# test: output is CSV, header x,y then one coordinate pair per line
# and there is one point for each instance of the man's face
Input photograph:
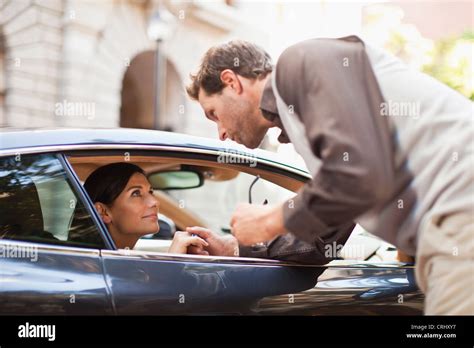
x,y
236,111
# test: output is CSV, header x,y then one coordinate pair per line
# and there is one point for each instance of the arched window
x,y
138,96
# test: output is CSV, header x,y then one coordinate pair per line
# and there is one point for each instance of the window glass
x,y
38,204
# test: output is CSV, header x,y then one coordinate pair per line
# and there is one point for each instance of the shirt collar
x,y
269,109
268,102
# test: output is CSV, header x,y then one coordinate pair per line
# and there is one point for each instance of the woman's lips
x,y
151,216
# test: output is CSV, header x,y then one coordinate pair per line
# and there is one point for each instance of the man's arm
x,y
332,89
290,248
285,248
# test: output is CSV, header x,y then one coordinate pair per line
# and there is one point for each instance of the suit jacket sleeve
x,y
289,248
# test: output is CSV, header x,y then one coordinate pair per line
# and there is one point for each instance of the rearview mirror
x,y
176,180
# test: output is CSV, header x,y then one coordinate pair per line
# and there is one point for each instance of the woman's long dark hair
x,y
106,183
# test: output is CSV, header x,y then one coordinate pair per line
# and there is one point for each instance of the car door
x,y
150,283
49,244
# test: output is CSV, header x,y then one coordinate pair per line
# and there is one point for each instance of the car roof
x,y
17,139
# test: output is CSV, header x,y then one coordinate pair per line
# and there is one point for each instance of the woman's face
x,y
135,210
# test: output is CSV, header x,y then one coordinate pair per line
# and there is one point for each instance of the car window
x,y
38,204
215,201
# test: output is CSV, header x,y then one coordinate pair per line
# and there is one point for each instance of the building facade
x,y
80,63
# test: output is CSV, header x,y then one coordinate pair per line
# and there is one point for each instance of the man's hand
x,y
253,223
218,245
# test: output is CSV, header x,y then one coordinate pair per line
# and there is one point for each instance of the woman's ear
x,y
103,212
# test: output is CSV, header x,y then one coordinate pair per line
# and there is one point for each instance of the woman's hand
x,y
183,240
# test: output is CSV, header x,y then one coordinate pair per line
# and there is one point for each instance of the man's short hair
x,y
244,58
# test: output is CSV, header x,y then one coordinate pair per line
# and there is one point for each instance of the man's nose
x,y
222,134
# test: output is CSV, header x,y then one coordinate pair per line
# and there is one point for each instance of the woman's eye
x,y
150,192
136,193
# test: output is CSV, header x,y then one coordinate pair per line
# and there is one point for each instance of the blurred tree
x,y
452,63
450,60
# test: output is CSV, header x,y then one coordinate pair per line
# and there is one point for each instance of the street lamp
x,y
160,28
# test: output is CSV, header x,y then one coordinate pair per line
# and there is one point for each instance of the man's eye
x,y
150,192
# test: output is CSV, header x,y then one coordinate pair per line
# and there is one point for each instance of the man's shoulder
x,y
320,49
309,61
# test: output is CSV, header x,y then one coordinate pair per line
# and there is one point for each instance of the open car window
x,y
224,186
210,205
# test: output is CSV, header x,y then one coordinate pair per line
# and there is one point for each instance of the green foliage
x,y
452,63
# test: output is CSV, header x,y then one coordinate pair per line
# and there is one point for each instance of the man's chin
x,y
256,144
252,144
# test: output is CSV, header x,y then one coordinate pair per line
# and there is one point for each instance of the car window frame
x,y
163,151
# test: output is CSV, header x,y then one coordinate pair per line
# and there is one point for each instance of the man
x,y
388,147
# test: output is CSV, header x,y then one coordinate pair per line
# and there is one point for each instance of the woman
x,y
124,200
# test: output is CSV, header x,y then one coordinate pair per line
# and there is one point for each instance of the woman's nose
x,y
154,202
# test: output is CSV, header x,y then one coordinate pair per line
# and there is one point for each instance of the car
x,y
57,257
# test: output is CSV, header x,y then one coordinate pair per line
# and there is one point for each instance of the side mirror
x,y
176,180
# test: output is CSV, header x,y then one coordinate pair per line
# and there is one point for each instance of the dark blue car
x,y
57,257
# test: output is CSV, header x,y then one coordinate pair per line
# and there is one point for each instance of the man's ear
x,y
229,78
103,212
